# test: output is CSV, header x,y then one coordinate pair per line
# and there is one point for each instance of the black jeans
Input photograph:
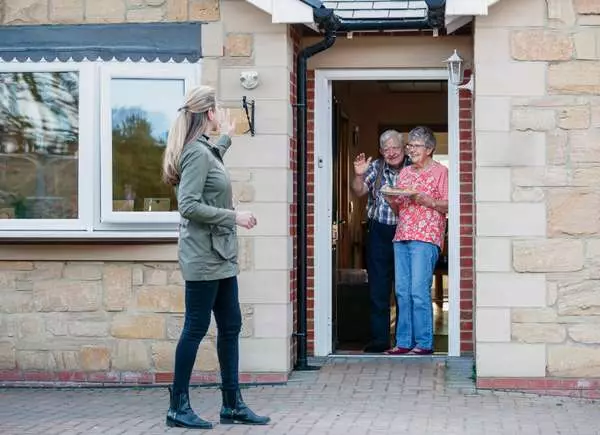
x,y
380,269
202,297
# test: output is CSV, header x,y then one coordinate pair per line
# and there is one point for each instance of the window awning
x,y
139,41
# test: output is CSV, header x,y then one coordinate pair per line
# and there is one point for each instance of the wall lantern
x,y
455,69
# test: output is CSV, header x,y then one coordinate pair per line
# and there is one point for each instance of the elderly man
x,y
370,177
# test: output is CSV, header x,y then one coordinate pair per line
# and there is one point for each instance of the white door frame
x,y
323,196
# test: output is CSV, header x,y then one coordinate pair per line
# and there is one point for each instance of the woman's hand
x,y
361,164
245,219
226,124
424,200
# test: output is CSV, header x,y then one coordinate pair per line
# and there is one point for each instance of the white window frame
x,y
94,154
84,152
131,71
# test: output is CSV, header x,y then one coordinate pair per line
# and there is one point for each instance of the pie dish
x,y
396,191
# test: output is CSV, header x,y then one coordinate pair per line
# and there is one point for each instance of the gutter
x,y
330,25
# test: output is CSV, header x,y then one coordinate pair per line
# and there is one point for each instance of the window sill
x,y
24,237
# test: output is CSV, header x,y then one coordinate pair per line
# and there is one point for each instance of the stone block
x,y
587,333
265,355
273,85
16,302
551,293
25,11
492,45
586,177
536,176
239,44
95,358
528,194
514,13
492,113
92,326
66,11
8,359
574,118
585,146
586,44
493,184
511,290
83,271
31,327
204,10
161,299
498,78
272,185
177,10
587,7
175,278
212,39
592,255
549,255
508,219
493,254
244,17
510,149
272,253
107,11
510,360
573,212
117,287
131,355
241,125
246,253
243,192
63,295
534,315
138,326
266,151
493,325
207,359
538,333
541,45
271,49
264,287
34,360
46,270
556,147
561,12
163,356
57,325
272,321
533,119
65,360
576,77
578,299
155,276
272,219
146,15
571,360
15,265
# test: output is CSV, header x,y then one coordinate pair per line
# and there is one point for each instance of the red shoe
x,y
398,351
418,351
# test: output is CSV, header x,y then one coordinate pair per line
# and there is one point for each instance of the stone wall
x,y
116,317
538,167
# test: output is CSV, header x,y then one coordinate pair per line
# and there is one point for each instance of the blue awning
x,y
136,41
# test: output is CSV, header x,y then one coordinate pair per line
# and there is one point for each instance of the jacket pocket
x,y
224,244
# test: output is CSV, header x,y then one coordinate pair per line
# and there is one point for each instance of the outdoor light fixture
x,y
455,68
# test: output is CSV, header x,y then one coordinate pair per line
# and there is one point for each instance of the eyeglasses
x,y
414,145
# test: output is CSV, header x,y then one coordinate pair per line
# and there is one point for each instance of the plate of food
x,y
396,191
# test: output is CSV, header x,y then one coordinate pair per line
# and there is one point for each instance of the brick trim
x,y
123,379
586,388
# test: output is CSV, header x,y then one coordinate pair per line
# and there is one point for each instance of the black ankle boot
x,y
234,410
181,414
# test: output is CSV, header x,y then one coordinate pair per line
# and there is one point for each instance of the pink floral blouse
x,y
417,222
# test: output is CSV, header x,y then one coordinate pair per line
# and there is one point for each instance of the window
x,y
81,147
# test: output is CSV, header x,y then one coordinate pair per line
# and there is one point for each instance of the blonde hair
x,y
191,121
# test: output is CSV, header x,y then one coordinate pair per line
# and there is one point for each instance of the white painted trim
x,y
286,11
323,199
85,117
188,73
453,23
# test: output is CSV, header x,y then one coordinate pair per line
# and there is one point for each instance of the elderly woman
x,y
370,177
418,242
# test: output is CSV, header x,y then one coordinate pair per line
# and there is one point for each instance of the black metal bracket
x,y
249,108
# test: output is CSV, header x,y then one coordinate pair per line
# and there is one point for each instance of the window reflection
x,y
142,112
39,145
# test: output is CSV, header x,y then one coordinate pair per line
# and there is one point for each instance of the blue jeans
x,y
202,297
414,262
380,270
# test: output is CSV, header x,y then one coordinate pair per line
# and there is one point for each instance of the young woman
x,y
207,254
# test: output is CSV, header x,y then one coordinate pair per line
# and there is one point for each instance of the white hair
x,y
390,134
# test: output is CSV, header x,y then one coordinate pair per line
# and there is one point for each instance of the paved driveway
x,y
346,397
